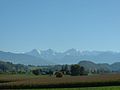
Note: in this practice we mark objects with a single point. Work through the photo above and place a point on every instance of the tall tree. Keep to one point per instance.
(82, 70)
(75, 70)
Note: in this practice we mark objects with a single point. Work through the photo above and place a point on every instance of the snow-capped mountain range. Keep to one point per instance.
(71, 56)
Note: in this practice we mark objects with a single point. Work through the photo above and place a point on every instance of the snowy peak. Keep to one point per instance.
(34, 52)
(72, 52)
(41, 53)
(49, 52)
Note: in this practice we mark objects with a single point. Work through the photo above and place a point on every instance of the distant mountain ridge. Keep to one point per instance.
(23, 59)
(72, 56)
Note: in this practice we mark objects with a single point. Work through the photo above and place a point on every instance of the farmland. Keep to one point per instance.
(88, 88)
(44, 81)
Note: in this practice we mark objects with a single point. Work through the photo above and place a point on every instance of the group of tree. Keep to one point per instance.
(57, 70)
(73, 70)
(77, 70)
(8, 67)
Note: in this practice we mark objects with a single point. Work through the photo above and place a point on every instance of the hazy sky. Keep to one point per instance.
(59, 25)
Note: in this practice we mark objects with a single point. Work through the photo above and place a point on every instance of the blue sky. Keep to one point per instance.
(59, 25)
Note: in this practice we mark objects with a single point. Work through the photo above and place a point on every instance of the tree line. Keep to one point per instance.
(57, 70)
(73, 70)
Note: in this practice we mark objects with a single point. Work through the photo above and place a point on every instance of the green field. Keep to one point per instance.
(74, 82)
(88, 88)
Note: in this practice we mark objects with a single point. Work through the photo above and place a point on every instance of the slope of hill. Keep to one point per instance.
(88, 65)
(115, 66)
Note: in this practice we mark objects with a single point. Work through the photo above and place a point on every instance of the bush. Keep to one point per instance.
(37, 71)
(59, 74)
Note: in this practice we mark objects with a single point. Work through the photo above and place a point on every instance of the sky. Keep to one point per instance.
(59, 25)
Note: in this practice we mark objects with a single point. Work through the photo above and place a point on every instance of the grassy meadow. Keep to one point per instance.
(88, 88)
(74, 82)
